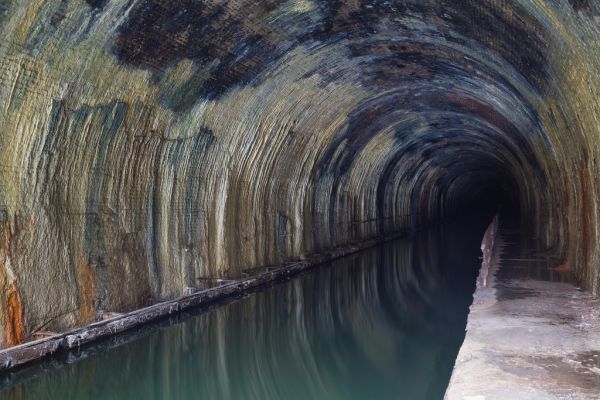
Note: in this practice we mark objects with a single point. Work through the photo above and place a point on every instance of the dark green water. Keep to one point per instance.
(383, 324)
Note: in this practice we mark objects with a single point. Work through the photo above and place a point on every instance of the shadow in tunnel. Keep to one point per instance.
(484, 194)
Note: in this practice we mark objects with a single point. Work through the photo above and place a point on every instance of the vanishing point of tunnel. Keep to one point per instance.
(160, 155)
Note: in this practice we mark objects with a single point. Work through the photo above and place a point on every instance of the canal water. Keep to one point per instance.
(386, 323)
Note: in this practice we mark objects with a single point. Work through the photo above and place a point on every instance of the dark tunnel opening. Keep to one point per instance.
(457, 182)
(485, 193)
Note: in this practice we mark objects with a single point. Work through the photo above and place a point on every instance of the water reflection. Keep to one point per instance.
(383, 324)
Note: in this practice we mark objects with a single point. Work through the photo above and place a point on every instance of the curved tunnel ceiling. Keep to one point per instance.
(148, 144)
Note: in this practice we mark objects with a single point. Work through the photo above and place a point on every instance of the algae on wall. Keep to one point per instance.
(145, 145)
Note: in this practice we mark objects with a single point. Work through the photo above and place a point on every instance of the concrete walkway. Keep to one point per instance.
(531, 333)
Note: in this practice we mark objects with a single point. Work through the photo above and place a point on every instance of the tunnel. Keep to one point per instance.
(148, 146)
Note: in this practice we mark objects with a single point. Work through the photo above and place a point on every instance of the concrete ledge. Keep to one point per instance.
(531, 333)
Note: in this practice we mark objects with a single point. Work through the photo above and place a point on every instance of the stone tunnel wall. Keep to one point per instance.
(147, 144)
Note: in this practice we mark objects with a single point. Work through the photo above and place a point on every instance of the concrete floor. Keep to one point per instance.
(531, 333)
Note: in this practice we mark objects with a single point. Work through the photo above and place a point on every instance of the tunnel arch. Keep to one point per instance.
(147, 144)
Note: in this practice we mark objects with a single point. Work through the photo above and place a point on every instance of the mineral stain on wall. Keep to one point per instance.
(14, 324)
(146, 146)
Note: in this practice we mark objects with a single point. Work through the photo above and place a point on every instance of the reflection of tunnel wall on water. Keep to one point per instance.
(143, 148)
(367, 326)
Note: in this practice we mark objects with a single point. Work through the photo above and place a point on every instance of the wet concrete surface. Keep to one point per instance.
(531, 332)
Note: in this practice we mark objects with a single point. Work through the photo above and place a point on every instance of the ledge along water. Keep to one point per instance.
(531, 332)
(385, 323)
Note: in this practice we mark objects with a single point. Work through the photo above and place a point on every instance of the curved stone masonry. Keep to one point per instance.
(147, 145)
